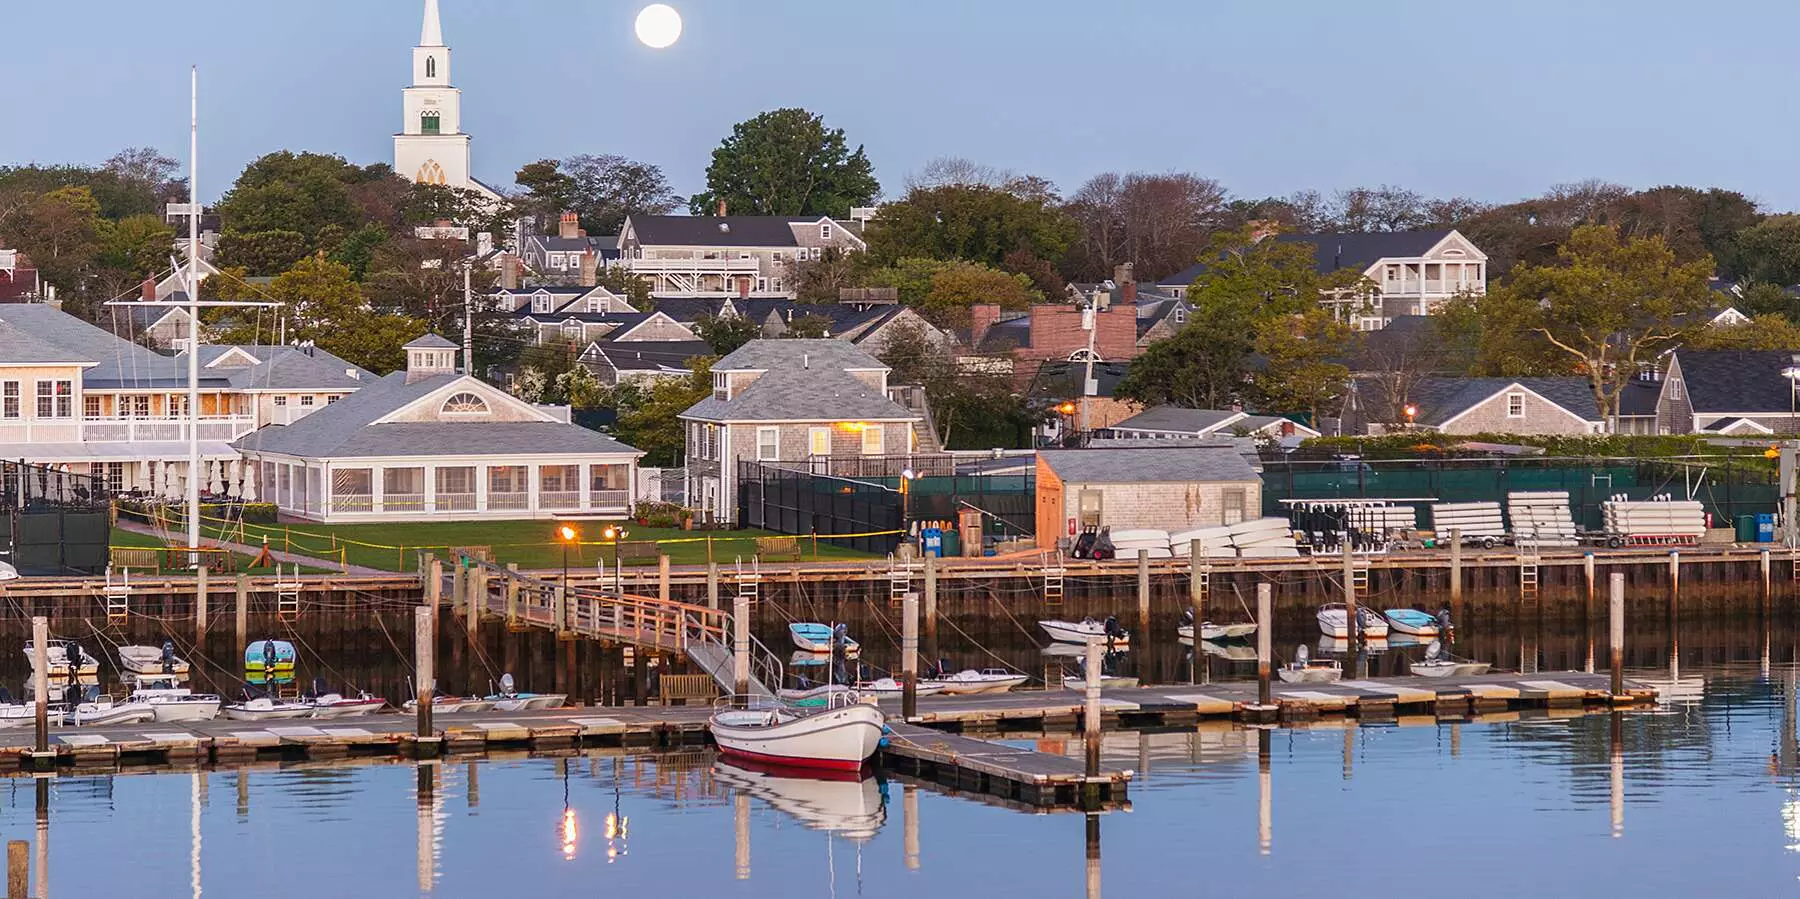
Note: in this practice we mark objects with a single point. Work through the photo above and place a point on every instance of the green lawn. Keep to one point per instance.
(395, 546)
(134, 540)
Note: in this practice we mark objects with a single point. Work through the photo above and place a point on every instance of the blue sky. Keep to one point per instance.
(1489, 100)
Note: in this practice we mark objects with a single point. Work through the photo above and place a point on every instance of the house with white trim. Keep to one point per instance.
(1409, 272)
(1737, 393)
(1173, 422)
(790, 402)
(729, 255)
(1524, 406)
(432, 443)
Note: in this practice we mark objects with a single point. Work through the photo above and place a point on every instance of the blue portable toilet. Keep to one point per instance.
(1765, 527)
(933, 540)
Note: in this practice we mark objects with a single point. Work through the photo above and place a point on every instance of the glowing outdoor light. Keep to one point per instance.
(658, 26)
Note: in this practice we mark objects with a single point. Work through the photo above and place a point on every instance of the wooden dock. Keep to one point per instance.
(939, 745)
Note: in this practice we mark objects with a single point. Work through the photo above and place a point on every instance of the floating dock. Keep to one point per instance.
(938, 745)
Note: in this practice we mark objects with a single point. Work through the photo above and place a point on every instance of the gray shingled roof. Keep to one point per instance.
(1732, 380)
(430, 341)
(1333, 252)
(791, 393)
(1158, 464)
(817, 353)
(347, 429)
(117, 362)
(704, 230)
(284, 368)
(19, 347)
(1441, 399)
(1175, 419)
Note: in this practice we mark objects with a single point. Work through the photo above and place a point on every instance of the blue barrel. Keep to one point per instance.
(933, 540)
(1765, 527)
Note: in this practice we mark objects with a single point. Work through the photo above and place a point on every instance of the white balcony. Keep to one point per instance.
(693, 266)
(141, 430)
(1431, 287)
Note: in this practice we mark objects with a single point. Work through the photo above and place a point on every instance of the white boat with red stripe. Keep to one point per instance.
(839, 738)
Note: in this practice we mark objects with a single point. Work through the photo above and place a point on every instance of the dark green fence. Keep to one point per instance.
(1727, 490)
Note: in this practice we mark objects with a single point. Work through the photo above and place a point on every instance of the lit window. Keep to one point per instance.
(872, 444)
(465, 403)
(768, 444)
(1515, 405)
(818, 441)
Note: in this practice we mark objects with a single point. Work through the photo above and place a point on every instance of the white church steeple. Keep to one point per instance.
(431, 147)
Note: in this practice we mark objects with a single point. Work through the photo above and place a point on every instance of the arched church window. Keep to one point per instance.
(1085, 356)
(431, 67)
(428, 123)
(430, 173)
(465, 404)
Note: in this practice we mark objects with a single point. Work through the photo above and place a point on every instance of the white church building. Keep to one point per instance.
(432, 147)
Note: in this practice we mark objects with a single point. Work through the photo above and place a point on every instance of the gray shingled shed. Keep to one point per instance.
(1163, 487)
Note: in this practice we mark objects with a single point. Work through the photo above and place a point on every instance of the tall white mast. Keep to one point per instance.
(193, 296)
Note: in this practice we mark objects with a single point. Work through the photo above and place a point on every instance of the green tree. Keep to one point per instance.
(633, 287)
(137, 245)
(1770, 250)
(808, 326)
(1763, 332)
(820, 280)
(974, 409)
(655, 426)
(970, 222)
(725, 333)
(60, 231)
(323, 303)
(262, 252)
(309, 194)
(548, 190)
(787, 162)
(602, 190)
(943, 290)
(1607, 305)
(1301, 370)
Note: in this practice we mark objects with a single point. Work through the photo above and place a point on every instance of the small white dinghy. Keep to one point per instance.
(57, 659)
(969, 682)
(1087, 629)
(444, 705)
(18, 714)
(1107, 682)
(337, 705)
(510, 699)
(1438, 663)
(1412, 622)
(173, 702)
(841, 738)
(263, 708)
(889, 688)
(151, 660)
(813, 637)
(1217, 633)
(1304, 669)
(103, 710)
(1334, 621)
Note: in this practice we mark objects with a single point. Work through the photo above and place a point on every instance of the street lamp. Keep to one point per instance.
(617, 533)
(906, 478)
(1412, 412)
(1068, 409)
(569, 535)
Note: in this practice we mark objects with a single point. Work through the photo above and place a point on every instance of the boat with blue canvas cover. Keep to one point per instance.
(1412, 622)
(811, 636)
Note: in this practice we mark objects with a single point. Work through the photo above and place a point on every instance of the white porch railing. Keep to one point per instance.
(608, 499)
(559, 499)
(1430, 286)
(456, 502)
(144, 430)
(403, 502)
(353, 502)
(694, 266)
(509, 501)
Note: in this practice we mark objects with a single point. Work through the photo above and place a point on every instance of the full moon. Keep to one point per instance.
(658, 25)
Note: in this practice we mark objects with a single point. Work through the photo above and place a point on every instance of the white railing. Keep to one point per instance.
(353, 502)
(608, 499)
(696, 266)
(143, 430)
(509, 501)
(558, 499)
(456, 502)
(1413, 287)
(403, 502)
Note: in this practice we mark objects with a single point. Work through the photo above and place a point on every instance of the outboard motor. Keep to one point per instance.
(168, 657)
(1446, 631)
(318, 686)
(506, 685)
(1301, 655)
(1113, 629)
(1187, 615)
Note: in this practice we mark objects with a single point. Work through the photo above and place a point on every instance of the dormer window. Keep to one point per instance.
(540, 304)
(720, 390)
(597, 304)
(465, 403)
(824, 230)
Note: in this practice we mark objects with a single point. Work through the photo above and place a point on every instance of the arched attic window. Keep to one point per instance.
(465, 404)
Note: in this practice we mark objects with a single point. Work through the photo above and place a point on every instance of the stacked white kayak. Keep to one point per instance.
(1476, 522)
(1654, 518)
(1258, 538)
(1127, 542)
(1383, 519)
(1542, 517)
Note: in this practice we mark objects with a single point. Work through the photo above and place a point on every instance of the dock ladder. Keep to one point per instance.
(117, 595)
(1203, 578)
(900, 577)
(1528, 570)
(1359, 575)
(287, 593)
(749, 581)
(1053, 580)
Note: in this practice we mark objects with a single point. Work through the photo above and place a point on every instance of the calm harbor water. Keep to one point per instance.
(1701, 799)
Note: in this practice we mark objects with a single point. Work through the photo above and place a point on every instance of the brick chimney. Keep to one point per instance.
(743, 288)
(721, 207)
(509, 271)
(982, 317)
(570, 226)
(1127, 281)
(148, 290)
(590, 269)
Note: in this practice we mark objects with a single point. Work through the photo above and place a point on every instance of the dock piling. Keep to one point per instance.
(424, 685)
(1197, 586)
(1143, 596)
(40, 682)
(1090, 717)
(1351, 621)
(434, 582)
(1456, 572)
(1674, 574)
(1265, 642)
(740, 650)
(1762, 563)
(662, 577)
(242, 612)
(712, 585)
(472, 605)
(1589, 575)
(909, 657)
(931, 604)
(18, 869)
(1616, 633)
(201, 595)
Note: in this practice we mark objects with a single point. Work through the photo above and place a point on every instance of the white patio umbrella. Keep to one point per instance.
(218, 476)
(140, 475)
(248, 491)
(234, 473)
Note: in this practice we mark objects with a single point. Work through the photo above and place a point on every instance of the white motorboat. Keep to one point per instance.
(1086, 630)
(1334, 621)
(813, 637)
(1107, 682)
(812, 697)
(969, 681)
(511, 700)
(841, 738)
(1411, 622)
(103, 710)
(337, 705)
(1218, 632)
(151, 660)
(448, 704)
(186, 707)
(889, 688)
(263, 708)
(1440, 663)
(1305, 669)
(57, 659)
(18, 714)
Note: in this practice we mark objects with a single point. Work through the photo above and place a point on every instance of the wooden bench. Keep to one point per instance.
(778, 547)
(686, 688)
(640, 549)
(148, 559)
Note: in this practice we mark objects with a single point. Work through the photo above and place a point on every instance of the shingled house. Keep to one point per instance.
(1476, 406)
